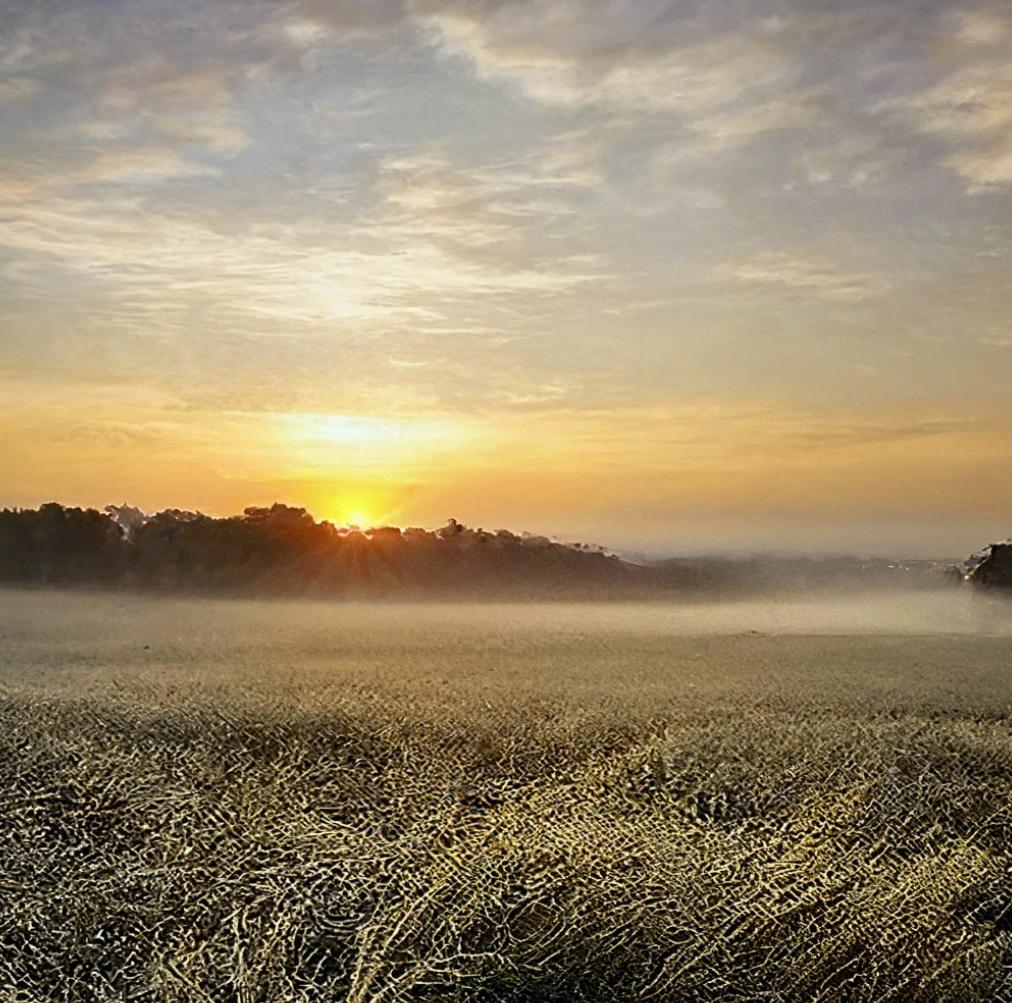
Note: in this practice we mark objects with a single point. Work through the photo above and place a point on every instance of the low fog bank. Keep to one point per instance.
(836, 610)
(190, 625)
(863, 612)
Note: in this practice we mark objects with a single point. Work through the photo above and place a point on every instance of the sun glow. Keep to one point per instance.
(368, 442)
(353, 511)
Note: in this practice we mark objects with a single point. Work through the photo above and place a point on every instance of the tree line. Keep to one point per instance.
(284, 550)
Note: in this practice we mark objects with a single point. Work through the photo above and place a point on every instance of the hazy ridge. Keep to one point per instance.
(283, 550)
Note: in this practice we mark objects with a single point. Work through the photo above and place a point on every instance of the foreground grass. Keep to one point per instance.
(263, 802)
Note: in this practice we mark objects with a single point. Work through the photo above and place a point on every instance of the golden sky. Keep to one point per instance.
(648, 273)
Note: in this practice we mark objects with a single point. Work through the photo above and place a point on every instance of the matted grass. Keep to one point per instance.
(283, 801)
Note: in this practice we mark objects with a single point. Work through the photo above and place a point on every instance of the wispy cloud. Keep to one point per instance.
(18, 89)
(806, 277)
(137, 164)
(722, 87)
(169, 264)
(969, 107)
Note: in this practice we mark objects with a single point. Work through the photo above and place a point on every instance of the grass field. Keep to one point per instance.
(280, 801)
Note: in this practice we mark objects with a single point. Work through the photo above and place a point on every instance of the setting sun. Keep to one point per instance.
(351, 512)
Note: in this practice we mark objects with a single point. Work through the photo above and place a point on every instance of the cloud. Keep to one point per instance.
(848, 91)
(27, 192)
(138, 164)
(983, 27)
(972, 111)
(310, 23)
(418, 240)
(676, 442)
(720, 79)
(177, 79)
(500, 212)
(727, 86)
(165, 265)
(838, 93)
(563, 171)
(969, 107)
(157, 96)
(18, 89)
(804, 277)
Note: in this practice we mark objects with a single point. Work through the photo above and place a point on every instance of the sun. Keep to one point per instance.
(357, 510)
(361, 509)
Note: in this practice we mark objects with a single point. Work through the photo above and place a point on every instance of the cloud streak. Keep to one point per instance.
(804, 277)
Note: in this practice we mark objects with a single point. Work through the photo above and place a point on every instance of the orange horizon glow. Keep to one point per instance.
(643, 477)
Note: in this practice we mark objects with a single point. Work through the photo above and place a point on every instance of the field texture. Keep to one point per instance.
(279, 801)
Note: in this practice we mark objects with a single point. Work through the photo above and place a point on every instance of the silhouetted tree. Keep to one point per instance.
(282, 549)
(56, 545)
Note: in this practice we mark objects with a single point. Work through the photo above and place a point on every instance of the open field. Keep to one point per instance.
(210, 800)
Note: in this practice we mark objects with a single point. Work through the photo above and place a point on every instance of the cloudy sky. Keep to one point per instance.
(675, 274)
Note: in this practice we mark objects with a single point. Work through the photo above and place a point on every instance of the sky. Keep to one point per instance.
(663, 274)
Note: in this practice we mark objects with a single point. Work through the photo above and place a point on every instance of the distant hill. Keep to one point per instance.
(284, 551)
(771, 573)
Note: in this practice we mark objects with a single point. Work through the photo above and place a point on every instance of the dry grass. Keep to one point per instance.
(226, 801)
